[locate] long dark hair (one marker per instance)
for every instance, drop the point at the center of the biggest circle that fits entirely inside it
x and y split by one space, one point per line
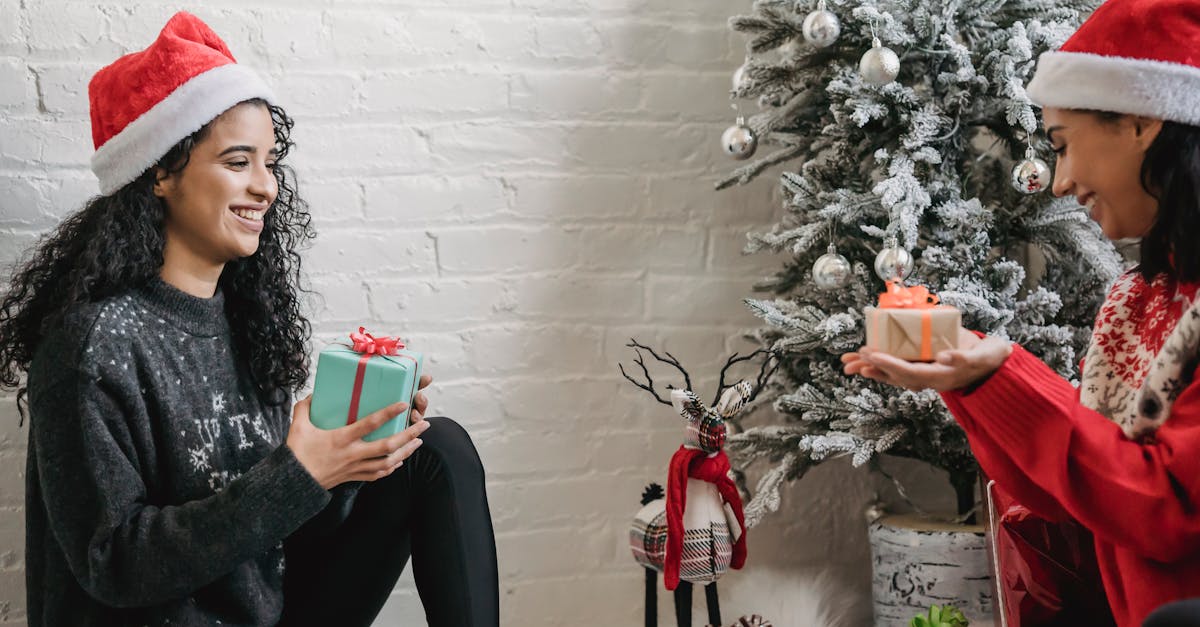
1171 173
115 243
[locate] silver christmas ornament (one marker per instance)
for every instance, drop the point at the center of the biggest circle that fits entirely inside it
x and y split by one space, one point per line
831 270
821 27
879 65
1031 175
739 77
738 140
893 262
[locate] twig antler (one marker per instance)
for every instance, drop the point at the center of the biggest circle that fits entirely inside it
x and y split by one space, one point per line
769 365
640 361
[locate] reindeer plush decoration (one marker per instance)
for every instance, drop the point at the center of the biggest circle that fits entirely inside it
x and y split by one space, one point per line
696 531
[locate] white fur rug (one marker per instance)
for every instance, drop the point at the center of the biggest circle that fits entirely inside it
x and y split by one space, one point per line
789 598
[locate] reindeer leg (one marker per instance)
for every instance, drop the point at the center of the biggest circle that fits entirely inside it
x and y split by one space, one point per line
683 604
714 606
651 598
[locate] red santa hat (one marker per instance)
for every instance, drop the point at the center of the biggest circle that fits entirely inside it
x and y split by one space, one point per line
1131 56
147 101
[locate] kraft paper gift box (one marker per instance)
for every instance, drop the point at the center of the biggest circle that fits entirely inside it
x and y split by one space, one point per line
910 325
355 380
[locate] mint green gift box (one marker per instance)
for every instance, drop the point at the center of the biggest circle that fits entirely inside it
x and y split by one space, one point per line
386 379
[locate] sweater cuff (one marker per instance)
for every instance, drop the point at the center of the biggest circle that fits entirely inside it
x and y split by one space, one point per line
1014 402
287 493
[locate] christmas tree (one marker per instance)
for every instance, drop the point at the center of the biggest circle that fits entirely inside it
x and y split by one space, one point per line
903 128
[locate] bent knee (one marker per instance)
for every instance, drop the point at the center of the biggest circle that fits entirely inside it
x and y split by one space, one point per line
451 442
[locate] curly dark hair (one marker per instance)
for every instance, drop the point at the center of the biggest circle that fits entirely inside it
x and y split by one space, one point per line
115 243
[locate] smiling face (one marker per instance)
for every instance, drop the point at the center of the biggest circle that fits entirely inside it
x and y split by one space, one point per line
216 204
1099 162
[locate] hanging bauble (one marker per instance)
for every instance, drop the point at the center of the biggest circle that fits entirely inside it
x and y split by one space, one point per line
831 270
821 27
1031 175
879 65
738 140
893 262
739 77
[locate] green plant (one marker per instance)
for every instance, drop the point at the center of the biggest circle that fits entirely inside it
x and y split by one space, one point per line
940 616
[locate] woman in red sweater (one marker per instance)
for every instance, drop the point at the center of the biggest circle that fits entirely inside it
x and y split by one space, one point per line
1121 454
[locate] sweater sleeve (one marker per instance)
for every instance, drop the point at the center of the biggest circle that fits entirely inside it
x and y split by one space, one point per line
123 550
1032 435
341 496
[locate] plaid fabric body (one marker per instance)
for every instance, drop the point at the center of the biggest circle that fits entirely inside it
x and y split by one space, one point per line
707 545
648 535
706 553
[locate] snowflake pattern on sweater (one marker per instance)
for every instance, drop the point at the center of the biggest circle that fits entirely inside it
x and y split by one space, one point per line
1143 351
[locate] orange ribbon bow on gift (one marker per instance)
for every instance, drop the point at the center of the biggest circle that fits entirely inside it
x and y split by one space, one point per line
898 296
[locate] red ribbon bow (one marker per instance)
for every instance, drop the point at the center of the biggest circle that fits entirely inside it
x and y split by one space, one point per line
369 344
898 296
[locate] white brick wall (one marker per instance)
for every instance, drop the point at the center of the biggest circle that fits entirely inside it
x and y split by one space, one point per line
518 186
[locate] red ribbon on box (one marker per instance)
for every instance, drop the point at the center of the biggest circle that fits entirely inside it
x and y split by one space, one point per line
898 296
369 346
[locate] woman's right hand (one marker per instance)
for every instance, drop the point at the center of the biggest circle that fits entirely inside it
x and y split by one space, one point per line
335 456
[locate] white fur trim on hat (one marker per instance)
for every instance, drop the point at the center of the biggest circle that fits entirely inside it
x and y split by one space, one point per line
1081 80
193 104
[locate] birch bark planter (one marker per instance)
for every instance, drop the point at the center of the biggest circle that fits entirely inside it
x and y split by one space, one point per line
918 562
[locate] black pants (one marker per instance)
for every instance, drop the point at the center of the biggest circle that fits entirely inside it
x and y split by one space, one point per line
1177 614
434 508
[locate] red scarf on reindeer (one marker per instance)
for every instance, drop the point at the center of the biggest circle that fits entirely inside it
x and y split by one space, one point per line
696 464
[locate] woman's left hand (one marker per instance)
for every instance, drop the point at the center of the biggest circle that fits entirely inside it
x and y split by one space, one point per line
420 401
973 360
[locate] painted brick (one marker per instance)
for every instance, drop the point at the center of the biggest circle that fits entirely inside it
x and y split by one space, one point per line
64 87
10 28
409 91
507 249
585 298
19 91
426 199
305 95
371 254
570 198
575 93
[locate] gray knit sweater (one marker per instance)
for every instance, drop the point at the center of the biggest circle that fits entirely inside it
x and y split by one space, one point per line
159 489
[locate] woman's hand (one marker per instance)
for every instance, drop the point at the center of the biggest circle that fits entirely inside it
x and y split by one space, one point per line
420 402
335 456
973 360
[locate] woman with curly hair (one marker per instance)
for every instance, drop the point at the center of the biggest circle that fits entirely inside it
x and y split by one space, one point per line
161 331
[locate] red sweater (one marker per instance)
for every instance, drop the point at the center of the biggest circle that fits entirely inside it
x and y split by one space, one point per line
1060 459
